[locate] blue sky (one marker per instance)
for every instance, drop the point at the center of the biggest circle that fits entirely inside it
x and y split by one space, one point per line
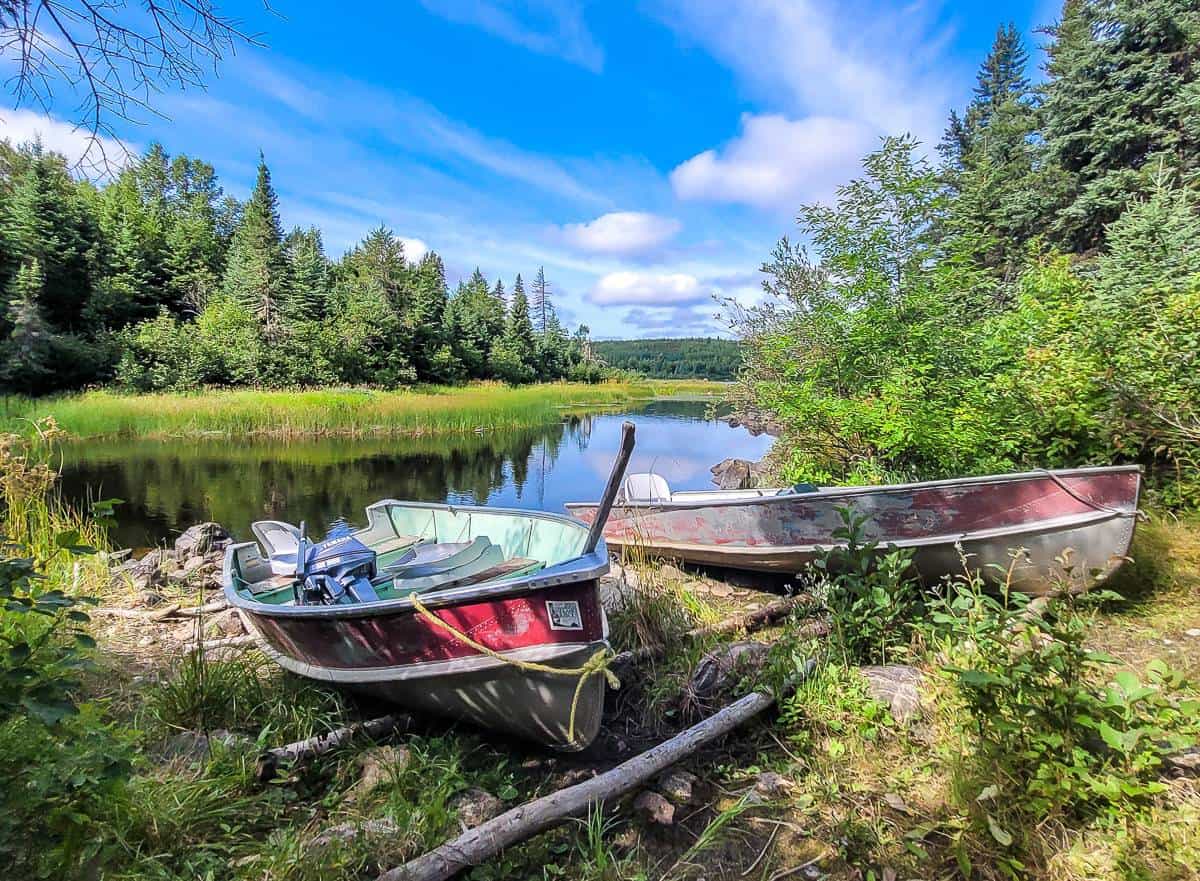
648 154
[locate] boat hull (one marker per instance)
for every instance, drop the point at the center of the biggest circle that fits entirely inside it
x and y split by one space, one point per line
1038 532
395 652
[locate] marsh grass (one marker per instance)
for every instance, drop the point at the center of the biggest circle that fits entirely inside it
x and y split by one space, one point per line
344 412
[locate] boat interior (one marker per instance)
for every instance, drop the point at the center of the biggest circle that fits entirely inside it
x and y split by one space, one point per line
404 548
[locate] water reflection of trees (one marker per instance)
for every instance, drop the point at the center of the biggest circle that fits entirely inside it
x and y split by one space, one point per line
168 486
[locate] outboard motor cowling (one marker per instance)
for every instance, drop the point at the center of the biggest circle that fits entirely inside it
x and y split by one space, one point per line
338 570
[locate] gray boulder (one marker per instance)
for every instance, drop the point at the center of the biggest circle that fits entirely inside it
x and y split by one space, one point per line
737 474
898 687
201 539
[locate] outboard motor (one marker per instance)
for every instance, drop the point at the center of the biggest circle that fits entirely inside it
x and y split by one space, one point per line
337 570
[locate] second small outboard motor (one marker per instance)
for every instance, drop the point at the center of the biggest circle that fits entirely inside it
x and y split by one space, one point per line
337 570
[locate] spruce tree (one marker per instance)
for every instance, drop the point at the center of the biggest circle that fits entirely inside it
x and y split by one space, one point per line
27 365
425 316
1122 97
47 222
310 275
194 249
256 274
519 329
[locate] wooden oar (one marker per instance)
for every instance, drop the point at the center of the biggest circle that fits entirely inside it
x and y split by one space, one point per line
610 490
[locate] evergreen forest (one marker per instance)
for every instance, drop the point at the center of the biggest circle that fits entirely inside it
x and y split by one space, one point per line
687 358
159 280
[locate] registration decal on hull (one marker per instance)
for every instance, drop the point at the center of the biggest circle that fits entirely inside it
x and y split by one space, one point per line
564 615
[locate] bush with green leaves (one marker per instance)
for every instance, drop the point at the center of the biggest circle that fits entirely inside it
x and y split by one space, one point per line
1058 728
872 594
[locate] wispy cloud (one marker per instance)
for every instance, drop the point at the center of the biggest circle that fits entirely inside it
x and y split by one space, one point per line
548 27
883 66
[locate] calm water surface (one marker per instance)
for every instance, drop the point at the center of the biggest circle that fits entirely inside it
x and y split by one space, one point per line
169 485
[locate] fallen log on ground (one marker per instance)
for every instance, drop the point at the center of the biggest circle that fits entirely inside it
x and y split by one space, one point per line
229 642
487 839
772 613
174 610
311 747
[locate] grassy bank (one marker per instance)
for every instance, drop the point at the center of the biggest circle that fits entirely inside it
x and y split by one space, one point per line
345 412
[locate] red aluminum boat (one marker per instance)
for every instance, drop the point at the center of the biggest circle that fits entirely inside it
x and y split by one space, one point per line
1040 530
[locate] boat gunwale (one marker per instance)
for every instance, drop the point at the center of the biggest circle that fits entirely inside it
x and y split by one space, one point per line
843 491
585 567
1048 525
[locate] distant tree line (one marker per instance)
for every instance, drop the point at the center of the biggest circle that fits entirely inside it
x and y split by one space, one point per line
1033 299
690 358
159 280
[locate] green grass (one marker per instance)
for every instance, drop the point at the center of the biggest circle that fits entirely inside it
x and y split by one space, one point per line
345 412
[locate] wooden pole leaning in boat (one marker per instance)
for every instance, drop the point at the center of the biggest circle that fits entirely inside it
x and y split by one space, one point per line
488 839
610 489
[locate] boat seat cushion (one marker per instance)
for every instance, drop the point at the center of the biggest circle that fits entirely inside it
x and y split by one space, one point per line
434 559
646 488
280 541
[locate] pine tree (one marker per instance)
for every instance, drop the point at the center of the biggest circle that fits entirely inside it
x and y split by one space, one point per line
540 302
1122 97
1002 75
256 274
475 323
27 365
379 261
310 275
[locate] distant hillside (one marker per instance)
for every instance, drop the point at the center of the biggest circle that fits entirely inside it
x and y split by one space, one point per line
699 357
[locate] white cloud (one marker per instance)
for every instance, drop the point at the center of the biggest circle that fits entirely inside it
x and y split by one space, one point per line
78 145
647 289
414 249
548 27
776 162
884 66
621 232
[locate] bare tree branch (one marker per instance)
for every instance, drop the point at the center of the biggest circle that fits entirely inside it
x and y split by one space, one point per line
114 55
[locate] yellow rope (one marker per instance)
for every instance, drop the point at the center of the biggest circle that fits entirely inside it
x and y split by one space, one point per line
597 663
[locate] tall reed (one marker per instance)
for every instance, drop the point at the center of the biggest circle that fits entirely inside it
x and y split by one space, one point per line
347 412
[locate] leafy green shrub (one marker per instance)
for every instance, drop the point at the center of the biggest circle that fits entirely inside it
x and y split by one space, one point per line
1056 730
872 595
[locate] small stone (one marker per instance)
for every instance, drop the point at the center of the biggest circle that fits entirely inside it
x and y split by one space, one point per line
1168 642
475 806
654 809
1193 632
678 786
753 607
226 623
1185 763
670 572
895 802
720 590
896 686
773 785
190 745
377 766
230 739
721 669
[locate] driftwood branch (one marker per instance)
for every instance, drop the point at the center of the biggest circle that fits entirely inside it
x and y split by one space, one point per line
303 750
230 642
486 840
772 613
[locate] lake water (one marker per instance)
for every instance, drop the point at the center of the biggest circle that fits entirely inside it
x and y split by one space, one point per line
169 485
